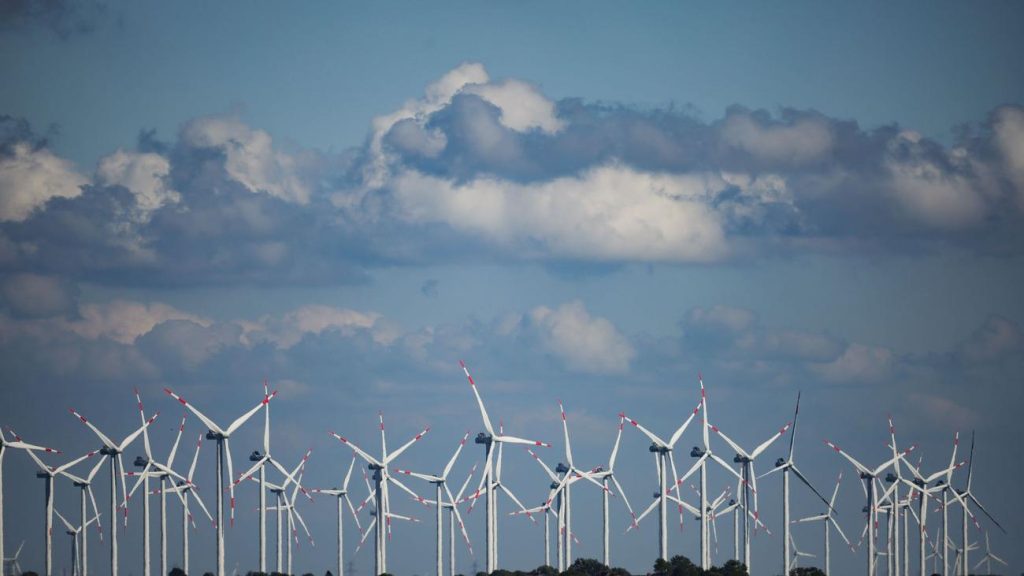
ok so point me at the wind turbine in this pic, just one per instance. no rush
(797, 554)
(704, 453)
(375, 513)
(185, 489)
(222, 436)
(787, 465)
(281, 500)
(48, 473)
(920, 484)
(605, 476)
(966, 496)
(989, 557)
(488, 439)
(153, 469)
(662, 451)
(381, 479)
(85, 487)
(288, 504)
(16, 444)
(828, 517)
(113, 451)
(12, 562)
(77, 560)
(749, 481)
(439, 482)
(868, 475)
(343, 499)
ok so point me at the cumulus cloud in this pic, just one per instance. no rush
(145, 175)
(996, 338)
(124, 320)
(289, 329)
(608, 213)
(31, 176)
(859, 364)
(250, 157)
(585, 343)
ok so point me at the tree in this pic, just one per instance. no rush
(176, 572)
(808, 571)
(587, 567)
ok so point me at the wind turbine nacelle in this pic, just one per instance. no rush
(211, 435)
(42, 475)
(919, 482)
(740, 459)
(255, 456)
(865, 476)
(696, 452)
(141, 461)
(780, 462)
(554, 485)
(483, 438)
(940, 482)
(890, 478)
(864, 510)
(732, 502)
(561, 468)
(656, 495)
(107, 451)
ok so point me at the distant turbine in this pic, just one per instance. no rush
(48, 473)
(222, 436)
(343, 499)
(828, 517)
(16, 444)
(488, 439)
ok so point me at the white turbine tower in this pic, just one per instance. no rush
(488, 481)
(16, 444)
(440, 484)
(222, 436)
(663, 460)
(48, 473)
(868, 475)
(787, 466)
(388, 516)
(749, 481)
(827, 518)
(382, 478)
(342, 496)
(113, 451)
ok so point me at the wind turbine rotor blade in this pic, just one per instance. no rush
(982, 508)
(348, 475)
(458, 495)
(565, 432)
(142, 429)
(517, 502)
(733, 445)
(792, 433)
(624, 499)
(352, 510)
(177, 439)
(515, 440)
(615, 447)
(808, 484)
(103, 437)
(860, 467)
(252, 470)
(202, 417)
(448, 466)
(244, 417)
(764, 445)
(142, 420)
(679, 431)
(650, 435)
(458, 518)
(362, 454)
(725, 465)
(551, 474)
(840, 530)
(389, 457)
(479, 401)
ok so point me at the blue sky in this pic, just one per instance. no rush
(584, 201)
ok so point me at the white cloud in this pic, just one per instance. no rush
(29, 177)
(609, 213)
(522, 106)
(1009, 139)
(807, 140)
(935, 196)
(250, 157)
(859, 363)
(145, 175)
(288, 330)
(584, 342)
(124, 320)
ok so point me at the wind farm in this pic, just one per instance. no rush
(449, 288)
(375, 521)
